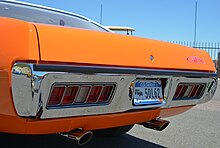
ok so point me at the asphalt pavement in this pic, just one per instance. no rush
(198, 127)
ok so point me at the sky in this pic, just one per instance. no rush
(167, 20)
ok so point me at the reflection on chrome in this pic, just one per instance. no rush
(22, 69)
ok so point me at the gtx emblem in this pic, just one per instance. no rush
(195, 59)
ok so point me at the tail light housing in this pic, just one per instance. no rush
(73, 95)
(189, 91)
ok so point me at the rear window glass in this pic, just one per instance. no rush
(46, 16)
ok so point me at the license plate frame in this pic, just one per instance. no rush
(147, 92)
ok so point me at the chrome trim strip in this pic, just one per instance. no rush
(120, 70)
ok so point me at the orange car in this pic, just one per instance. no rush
(63, 73)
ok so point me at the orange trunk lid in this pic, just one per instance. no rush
(78, 46)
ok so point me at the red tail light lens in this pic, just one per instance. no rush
(94, 94)
(56, 95)
(194, 90)
(200, 90)
(80, 94)
(189, 91)
(106, 92)
(178, 90)
(183, 91)
(70, 95)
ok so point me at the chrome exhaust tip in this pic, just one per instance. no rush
(156, 124)
(82, 137)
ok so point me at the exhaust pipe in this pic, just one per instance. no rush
(156, 124)
(82, 137)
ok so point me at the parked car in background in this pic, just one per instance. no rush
(63, 73)
(122, 29)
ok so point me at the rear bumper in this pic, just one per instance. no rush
(31, 87)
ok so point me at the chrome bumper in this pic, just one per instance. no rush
(31, 85)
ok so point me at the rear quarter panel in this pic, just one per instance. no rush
(18, 42)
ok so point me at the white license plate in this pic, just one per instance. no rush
(148, 92)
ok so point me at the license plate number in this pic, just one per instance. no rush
(148, 92)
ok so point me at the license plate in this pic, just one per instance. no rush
(148, 92)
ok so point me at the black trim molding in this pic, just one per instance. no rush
(120, 70)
